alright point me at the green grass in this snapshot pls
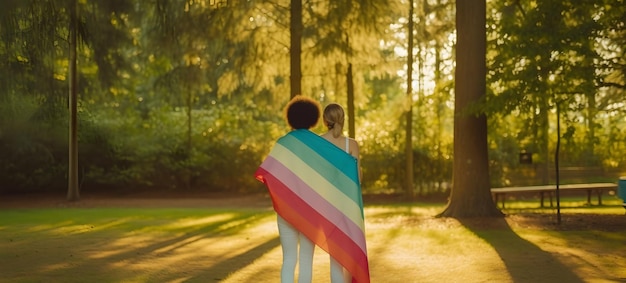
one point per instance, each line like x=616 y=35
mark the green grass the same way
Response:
x=405 y=244
x=113 y=244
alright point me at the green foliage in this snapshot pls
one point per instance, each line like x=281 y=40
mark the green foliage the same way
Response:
x=382 y=154
x=189 y=95
x=35 y=148
x=30 y=156
x=225 y=149
x=548 y=54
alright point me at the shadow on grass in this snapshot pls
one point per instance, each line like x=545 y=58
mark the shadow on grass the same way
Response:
x=525 y=261
x=123 y=249
x=221 y=270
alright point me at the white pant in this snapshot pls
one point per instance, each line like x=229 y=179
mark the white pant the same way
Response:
x=338 y=274
x=289 y=240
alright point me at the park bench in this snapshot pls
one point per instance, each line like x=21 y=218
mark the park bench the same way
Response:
x=598 y=188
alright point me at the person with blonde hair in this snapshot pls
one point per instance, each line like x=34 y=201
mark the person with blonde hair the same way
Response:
x=334 y=118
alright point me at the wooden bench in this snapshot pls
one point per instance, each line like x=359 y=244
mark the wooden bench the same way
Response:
x=599 y=188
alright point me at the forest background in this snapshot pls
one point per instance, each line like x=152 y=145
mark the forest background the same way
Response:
x=188 y=94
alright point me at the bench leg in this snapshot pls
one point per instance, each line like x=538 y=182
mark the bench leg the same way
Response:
x=495 y=197
x=588 y=197
x=550 y=197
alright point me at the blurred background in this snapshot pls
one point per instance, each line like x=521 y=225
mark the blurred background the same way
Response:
x=188 y=95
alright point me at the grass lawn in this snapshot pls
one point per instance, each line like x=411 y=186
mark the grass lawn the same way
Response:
x=238 y=243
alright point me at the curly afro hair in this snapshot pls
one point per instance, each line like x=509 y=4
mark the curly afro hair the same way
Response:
x=303 y=112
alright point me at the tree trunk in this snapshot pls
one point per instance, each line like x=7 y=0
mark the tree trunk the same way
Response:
x=72 y=176
x=544 y=138
x=408 y=144
x=295 y=78
x=351 y=114
x=187 y=172
x=592 y=111
x=470 y=195
x=439 y=119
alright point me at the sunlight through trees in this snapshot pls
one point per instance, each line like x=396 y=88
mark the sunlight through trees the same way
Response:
x=188 y=95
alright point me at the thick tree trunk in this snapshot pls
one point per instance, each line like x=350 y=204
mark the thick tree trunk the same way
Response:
x=470 y=195
x=72 y=176
x=296 y=48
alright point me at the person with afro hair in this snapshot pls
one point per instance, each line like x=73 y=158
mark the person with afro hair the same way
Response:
x=302 y=112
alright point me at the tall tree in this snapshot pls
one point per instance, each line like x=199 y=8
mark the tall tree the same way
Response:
x=43 y=71
x=295 y=50
x=350 y=98
x=408 y=144
x=470 y=195
x=342 y=33
x=72 y=186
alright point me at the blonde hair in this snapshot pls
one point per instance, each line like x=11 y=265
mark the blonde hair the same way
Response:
x=333 y=118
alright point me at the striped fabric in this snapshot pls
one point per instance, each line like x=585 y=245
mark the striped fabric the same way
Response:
x=314 y=186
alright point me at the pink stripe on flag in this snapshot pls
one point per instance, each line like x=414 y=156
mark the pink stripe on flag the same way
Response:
x=316 y=201
x=309 y=221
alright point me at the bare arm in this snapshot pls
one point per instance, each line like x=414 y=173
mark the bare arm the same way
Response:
x=354 y=151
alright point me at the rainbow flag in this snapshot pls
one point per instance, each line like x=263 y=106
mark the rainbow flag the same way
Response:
x=314 y=186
